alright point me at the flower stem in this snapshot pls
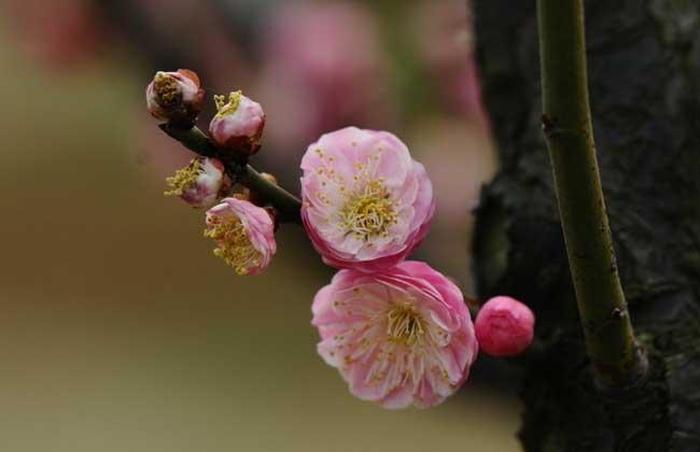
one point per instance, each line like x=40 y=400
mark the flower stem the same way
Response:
x=287 y=205
x=616 y=357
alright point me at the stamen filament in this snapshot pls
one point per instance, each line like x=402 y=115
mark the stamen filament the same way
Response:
x=234 y=245
x=370 y=213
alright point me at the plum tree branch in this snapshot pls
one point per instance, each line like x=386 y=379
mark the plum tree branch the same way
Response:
x=288 y=206
x=616 y=357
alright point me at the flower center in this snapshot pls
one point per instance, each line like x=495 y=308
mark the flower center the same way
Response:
x=404 y=325
x=184 y=178
x=224 y=107
x=234 y=246
x=166 y=89
x=369 y=213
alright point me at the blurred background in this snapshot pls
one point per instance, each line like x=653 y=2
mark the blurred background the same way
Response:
x=119 y=331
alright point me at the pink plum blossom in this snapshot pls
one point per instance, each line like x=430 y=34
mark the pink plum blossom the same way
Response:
x=504 y=326
x=199 y=183
x=366 y=203
x=175 y=96
x=239 y=123
x=399 y=337
x=244 y=234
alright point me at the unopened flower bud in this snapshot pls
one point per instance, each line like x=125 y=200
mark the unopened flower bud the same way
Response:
x=175 y=97
x=238 y=125
x=200 y=183
x=504 y=327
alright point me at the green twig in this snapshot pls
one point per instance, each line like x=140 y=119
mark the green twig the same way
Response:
x=616 y=358
x=287 y=205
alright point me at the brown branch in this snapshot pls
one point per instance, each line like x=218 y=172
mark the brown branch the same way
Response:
x=287 y=205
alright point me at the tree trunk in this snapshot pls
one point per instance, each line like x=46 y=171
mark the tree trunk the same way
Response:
x=644 y=73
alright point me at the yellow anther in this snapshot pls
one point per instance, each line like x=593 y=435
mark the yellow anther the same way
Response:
x=369 y=213
x=183 y=178
x=234 y=245
x=165 y=88
x=224 y=107
x=404 y=325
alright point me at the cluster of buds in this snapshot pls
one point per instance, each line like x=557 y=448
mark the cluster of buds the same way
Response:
x=241 y=224
x=398 y=331
x=177 y=98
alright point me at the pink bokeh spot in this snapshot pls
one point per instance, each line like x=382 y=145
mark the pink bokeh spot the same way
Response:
x=366 y=203
x=504 y=327
x=399 y=337
x=324 y=67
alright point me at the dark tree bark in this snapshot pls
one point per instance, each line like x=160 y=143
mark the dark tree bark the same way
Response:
x=644 y=75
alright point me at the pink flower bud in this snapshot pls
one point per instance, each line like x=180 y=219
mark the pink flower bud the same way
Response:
x=504 y=327
x=200 y=183
x=244 y=234
x=175 y=96
x=238 y=125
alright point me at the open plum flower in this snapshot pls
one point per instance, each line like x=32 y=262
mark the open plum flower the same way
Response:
x=399 y=337
x=244 y=234
x=366 y=203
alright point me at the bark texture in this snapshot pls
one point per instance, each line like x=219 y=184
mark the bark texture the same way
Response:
x=644 y=76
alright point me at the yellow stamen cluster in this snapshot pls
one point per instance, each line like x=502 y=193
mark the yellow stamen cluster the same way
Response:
x=404 y=325
x=370 y=213
x=183 y=178
x=224 y=107
x=234 y=246
x=166 y=89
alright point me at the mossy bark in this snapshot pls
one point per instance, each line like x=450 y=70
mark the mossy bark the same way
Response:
x=644 y=78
